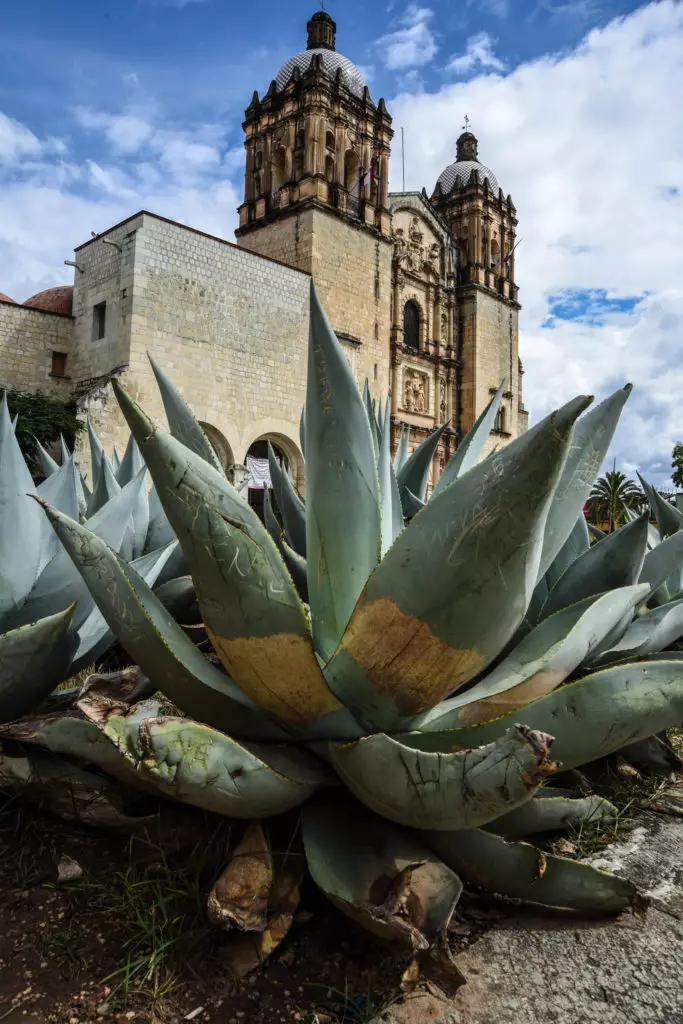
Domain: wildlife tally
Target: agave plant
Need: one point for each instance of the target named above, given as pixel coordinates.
(410, 706)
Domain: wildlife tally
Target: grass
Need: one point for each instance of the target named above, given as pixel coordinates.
(344, 1007)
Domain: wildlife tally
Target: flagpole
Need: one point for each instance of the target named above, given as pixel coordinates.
(403, 160)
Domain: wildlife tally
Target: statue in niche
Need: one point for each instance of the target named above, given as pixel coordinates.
(415, 391)
(420, 397)
(400, 245)
(433, 257)
(442, 399)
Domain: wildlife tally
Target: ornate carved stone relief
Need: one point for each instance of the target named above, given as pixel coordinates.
(415, 391)
(442, 400)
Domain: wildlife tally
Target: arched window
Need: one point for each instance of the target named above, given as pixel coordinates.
(495, 253)
(500, 426)
(351, 173)
(258, 160)
(278, 168)
(411, 326)
(257, 185)
(329, 167)
(329, 141)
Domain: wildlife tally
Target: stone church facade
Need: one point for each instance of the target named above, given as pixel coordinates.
(419, 289)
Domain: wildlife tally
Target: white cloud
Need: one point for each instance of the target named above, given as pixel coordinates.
(412, 43)
(126, 133)
(590, 145)
(16, 141)
(499, 8)
(478, 56)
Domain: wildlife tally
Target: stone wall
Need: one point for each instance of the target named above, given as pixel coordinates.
(28, 337)
(229, 328)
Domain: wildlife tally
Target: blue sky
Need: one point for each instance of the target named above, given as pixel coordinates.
(109, 107)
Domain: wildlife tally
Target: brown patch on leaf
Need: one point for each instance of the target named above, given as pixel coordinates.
(240, 895)
(279, 673)
(404, 659)
(519, 696)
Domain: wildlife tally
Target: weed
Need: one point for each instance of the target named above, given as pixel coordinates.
(345, 1007)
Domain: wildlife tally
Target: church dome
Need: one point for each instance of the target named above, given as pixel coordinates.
(322, 33)
(6, 298)
(458, 173)
(53, 300)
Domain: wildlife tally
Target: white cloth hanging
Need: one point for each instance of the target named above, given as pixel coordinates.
(258, 472)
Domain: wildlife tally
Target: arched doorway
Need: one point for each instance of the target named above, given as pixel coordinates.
(258, 471)
(411, 325)
(220, 445)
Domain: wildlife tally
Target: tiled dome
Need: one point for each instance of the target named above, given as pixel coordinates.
(331, 62)
(6, 298)
(460, 172)
(53, 300)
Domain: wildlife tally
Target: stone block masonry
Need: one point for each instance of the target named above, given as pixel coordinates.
(28, 337)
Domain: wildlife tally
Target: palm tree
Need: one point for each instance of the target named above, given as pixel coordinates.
(613, 495)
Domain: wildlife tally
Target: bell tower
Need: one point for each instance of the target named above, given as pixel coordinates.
(483, 224)
(316, 191)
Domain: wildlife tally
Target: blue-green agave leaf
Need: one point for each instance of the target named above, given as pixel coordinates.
(414, 474)
(390, 500)
(669, 519)
(48, 465)
(342, 491)
(293, 512)
(660, 562)
(131, 463)
(64, 449)
(107, 486)
(96, 457)
(59, 490)
(647, 634)
(593, 435)
(549, 811)
(33, 659)
(363, 863)
(115, 462)
(401, 456)
(443, 791)
(520, 871)
(159, 531)
(577, 543)
(468, 452)
(589, 718)
(542, 660)
(154, 640)
(249, 603)
(454, 587)
(181, 420)
(372, 419)
(302, 431)
(616, 561)
(297, 567)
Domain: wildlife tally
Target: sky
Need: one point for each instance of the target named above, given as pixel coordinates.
(106, 108)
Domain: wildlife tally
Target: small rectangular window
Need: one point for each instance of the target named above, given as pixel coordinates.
(99, 320)
(58, 364)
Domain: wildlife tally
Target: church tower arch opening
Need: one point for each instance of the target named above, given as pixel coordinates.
(288, 455)
(411, 325)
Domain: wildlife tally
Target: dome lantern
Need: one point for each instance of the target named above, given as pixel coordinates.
(322, 32)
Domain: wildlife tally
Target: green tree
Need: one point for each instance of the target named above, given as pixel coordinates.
(677, 465)
(610, 498)
(41, 419)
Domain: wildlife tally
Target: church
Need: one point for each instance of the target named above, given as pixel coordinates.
(419, 287)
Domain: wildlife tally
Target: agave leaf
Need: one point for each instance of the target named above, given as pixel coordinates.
(152, 638)
(15, 420)
(577, 543)
(263, 642)
(293, 513)
(115, 461)
(372, 419)
(669, 519)
(414, 475)
(159, 530)
(68, 791)
(94, 636)
(410, 504)
(342, 493)
(302, 431)
(179, 598)
(48, 465)
(647, 634)
(181, 420)
(64, 449)
(453, 589)
(276, 474)
(614, 562)
(654, 754)
(59, 490)
(107, 486)
(542, 660)
(297, 568)
(198, 765)
(468, 452)
(590, 718)
(131, 463)
(661, 560)
(548, 812)
(401, 456)
(390, 501)
(269, 519)
(443, 791)
(60, 582)
(84, 494)
(33, 659)
(522, 872)
(593, 435)
(239, 898)
(379, 875)
(96, 456)
(20, 528)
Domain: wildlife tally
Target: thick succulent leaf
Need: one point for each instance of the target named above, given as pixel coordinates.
(379, 875)
(96, 457)
(181, 420)
(20, 522)
(94, 636)
(410, 504)
(593, 435)
(543, 659)
(159, 530)
(454, 587)
(250, 606)
(293, 513)
(414, 474)
(372, 419)
(577, 543)
(48, 465)
(655, 754)
(443, 791)
(64, 449)
(302, 431)
(276, 474)
(660, 562)
(401, 456)
(198, 765)
(342, 491)
(614, 562)
(33, 659)
(589, 718)
(179, 598)
(647, 634)
(155, 641)
(131, 463)
(548, 812)
(269, 519)
(239, 897)
(60, 583)
(468, 452)
(59, 490)
(115, 461)
(669, 519)
(107, 486)
(297, 567)
(390, 501)
(522, 872)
